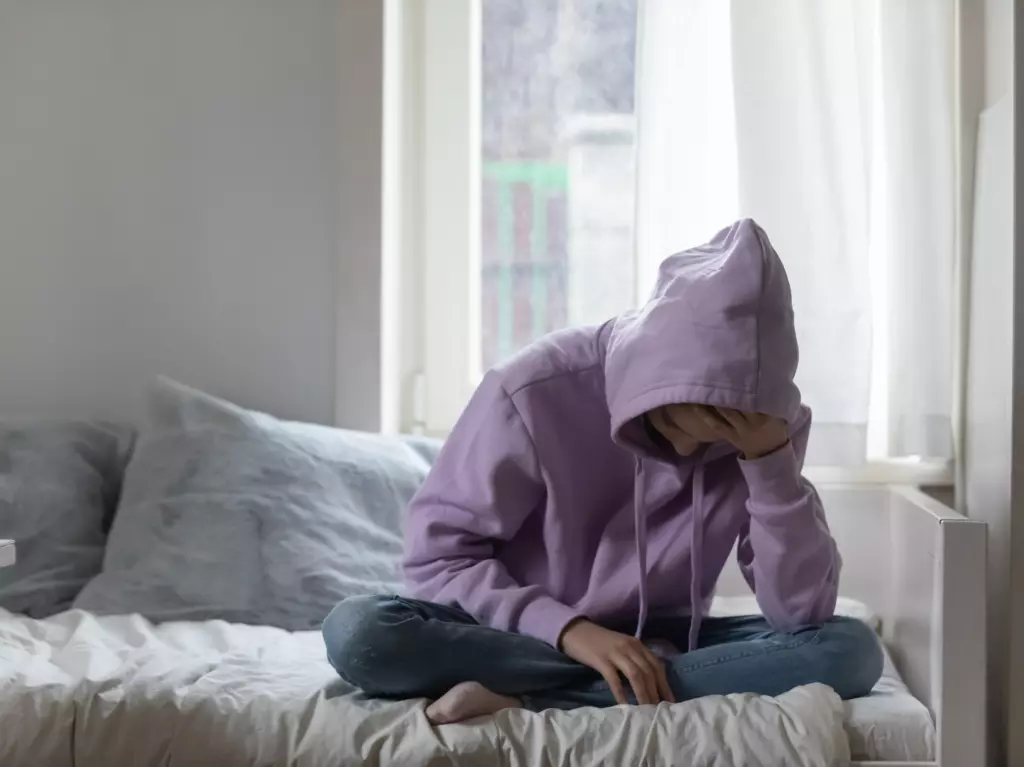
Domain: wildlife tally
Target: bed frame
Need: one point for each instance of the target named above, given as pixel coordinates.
(935, 627)
(921, 566)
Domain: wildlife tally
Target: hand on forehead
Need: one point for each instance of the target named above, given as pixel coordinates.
(702, 422)
(689, 410)
(685, 426)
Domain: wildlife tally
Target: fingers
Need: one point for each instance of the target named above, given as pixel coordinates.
(657, 681)
(667, 418)
(646, 675)
(669, 430)
(657, 417)
(637, 676)
(737, 420)
(611, 676)
(648, 678)
(663, 424)
(664, 689)
(656, 667)
(614, 655)
(666, 424)
(717, 415)
(714, 421)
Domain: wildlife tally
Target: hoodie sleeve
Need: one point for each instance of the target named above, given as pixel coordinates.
(785, 550)
(484, 485)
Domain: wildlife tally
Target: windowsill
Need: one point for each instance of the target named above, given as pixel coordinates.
(894, 472)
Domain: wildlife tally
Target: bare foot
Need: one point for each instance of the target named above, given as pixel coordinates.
(466, 700)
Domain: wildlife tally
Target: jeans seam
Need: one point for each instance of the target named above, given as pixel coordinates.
(773, 648)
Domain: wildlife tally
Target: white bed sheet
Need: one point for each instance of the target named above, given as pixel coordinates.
(102, 690)
(79, 690)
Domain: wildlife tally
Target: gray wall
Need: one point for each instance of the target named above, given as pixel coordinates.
(190, 188)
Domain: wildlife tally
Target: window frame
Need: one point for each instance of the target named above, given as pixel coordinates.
(451, 210)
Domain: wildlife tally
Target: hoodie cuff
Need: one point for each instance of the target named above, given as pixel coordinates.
(544, 619)
(775, 477)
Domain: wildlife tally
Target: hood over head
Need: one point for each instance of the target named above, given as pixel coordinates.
(718, 330)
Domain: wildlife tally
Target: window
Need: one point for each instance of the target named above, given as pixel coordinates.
(530, 220)
(557, 162)
(537, 211)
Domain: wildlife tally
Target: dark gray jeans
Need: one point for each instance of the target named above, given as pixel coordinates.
(393, 647)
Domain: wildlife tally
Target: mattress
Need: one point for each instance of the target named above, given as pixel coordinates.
(890, 724)
(117, 690)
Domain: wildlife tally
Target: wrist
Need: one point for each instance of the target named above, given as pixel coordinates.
(775, 477)
(560, 644)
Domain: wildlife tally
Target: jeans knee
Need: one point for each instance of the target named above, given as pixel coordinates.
(356, 638)
(851, 657)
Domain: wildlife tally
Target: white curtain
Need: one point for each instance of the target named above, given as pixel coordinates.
(831, 123)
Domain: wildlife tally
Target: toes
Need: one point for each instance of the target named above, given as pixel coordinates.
(448, 708)
(465, 701)
(436, 713)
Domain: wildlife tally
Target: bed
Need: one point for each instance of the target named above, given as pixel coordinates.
(234, 531)
(117, 689)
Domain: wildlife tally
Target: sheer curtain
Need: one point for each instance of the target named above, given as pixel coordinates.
(830, 123)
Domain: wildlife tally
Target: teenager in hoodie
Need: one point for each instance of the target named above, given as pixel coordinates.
(564, 549)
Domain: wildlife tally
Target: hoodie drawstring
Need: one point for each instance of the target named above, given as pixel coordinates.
(696, 557)
(696, 550)
(640, 531)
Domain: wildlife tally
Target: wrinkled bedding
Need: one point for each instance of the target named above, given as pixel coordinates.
(890, 724)
(82, 690)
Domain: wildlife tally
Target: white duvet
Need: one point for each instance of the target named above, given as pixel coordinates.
(81, 690)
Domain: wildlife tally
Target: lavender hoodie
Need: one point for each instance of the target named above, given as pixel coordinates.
(551, 501)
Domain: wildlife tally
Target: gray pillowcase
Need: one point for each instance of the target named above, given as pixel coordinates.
(59, 483)
(232, 514)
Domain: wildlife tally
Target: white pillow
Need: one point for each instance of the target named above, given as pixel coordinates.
(227, 513)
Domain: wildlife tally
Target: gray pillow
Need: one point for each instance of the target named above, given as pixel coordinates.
(59, 483)
(232, 514)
